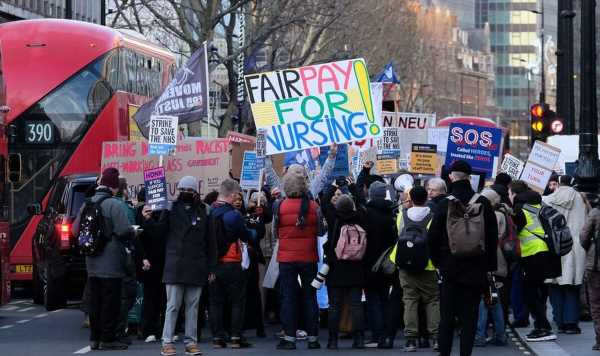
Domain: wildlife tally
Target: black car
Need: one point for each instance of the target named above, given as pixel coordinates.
(59, 269)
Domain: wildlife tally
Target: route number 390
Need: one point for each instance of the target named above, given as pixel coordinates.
(39, 132)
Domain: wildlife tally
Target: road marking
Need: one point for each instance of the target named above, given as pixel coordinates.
(85, 350)
(56, 311)
(23, 321)
(41, 315)
(6, 326)
(9, 308)
(26, 309)
(18, 302)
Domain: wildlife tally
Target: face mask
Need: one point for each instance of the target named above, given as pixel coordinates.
(187, 197)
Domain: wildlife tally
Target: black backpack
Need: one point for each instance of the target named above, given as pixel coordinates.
(412, 253)
(557, 234)
(91, 237)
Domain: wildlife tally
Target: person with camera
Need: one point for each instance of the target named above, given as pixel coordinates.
(490, 303)
(590, 235)
(297, 223)
(190, 253)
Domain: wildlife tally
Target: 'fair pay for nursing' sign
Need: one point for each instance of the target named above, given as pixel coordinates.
(314, 106)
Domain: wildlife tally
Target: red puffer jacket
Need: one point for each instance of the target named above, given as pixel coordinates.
(297, 244)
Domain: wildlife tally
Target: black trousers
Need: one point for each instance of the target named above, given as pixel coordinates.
(535, 294)
(155, 304)
(229, 286)
(105, 303)
(336, 301)
(462, 302)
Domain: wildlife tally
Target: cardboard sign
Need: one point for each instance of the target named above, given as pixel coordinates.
(156, 188)
(250, 176)
(386, 164)
(423, 159)
(162, 135)
(477, 145)
(206, 159)
(314, 106)
(237, 137)
(512, 166)
(544, 155)
(535, 176)
(341, 160)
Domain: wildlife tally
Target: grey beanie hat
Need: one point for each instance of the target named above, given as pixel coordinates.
(377, 190)
(188, 182)
(344, 204)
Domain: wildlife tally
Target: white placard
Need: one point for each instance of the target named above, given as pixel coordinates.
(544, 155)
(512, 166)
(162, 135)
(535, 176)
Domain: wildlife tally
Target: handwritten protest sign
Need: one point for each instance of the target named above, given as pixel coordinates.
(156, 188)
(479, 146)
(512, 166)
(250, 176)
(423, 158)
(162, 135)
(539, 166)
(207, 160)
(314, 106)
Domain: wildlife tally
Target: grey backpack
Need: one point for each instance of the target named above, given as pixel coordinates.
(466, 227)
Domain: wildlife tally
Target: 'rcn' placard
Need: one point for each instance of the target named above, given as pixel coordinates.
(314, 106)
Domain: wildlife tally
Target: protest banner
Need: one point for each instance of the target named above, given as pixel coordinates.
(314, 106)
(423, 159)
(477, 145)
(156, 188)
(386, 164)
(250, 176)
(162, 136)
(341, 160)
(237, 137)
(389, 142)
(408, 120)
(540, 163)
(206, 159)
(512, 166)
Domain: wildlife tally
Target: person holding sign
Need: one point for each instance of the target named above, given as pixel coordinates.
(190, 253)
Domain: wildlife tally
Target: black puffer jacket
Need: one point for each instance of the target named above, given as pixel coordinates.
(468, 270)
(382, 234)
(190, 248)
(343, 274)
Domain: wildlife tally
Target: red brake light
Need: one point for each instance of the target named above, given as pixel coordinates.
(64, 231)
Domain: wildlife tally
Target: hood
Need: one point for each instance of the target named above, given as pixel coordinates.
(528, 197)
(418, 213)
(563, 197)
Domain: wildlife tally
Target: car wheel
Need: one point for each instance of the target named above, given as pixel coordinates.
(54, 289)
(37, 287)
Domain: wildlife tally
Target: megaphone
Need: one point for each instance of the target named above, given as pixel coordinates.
(404, 182)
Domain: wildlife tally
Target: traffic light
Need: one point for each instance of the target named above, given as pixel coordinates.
(544, 122)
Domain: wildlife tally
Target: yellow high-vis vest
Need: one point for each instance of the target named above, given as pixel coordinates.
(531, 235)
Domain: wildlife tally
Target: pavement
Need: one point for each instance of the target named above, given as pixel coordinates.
(27, 329)
(565, 345)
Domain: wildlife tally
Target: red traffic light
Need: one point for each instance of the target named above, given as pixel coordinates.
(537, 110)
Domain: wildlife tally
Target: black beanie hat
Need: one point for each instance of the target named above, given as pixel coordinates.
(461, 166)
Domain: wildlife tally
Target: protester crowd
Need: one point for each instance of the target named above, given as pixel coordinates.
(430, 257)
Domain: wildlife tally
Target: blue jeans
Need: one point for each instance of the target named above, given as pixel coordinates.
(376, 301)
(565, 304)
(290, 290)
(498, 318)
(520, 311)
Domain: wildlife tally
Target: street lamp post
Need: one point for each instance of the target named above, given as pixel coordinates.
(542, 55)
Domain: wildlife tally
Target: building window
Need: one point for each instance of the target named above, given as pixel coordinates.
(46, 8)
(51, 10)
(59, 13)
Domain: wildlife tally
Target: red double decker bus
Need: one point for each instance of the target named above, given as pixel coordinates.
(70, 86)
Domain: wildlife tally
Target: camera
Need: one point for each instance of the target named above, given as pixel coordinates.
(317, 283)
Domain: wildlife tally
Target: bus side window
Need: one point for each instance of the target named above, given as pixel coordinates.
(14, 167)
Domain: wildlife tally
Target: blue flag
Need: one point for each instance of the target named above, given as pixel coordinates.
(388, 75)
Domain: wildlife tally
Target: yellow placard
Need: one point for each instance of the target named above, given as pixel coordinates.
(386, 166)
(423, 163)
(135, 134)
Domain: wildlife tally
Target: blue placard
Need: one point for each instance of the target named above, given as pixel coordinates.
(341, 162)
(479, 146)
(250, 176)
(159, 149)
